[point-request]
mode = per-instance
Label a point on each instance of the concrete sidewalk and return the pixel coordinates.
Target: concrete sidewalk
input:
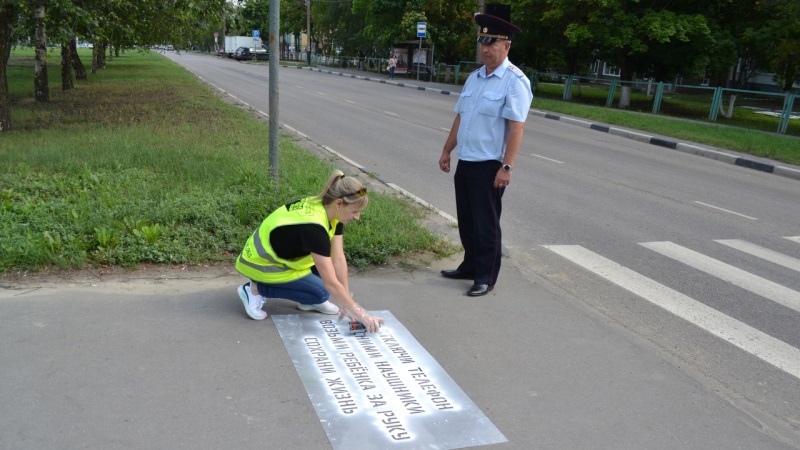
(170, 360)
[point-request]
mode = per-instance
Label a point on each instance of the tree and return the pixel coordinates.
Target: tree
(783, 26)
(293, 18)
(41, 87)
(8, 12)
(628, 34)
(107, 23)
(382, 25)
(543, 43)
(730, 22)
(451, 28)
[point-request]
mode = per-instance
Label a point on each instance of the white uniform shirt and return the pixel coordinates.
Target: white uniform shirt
(484, 105)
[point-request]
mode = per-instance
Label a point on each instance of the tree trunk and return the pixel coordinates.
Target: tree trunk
(625, 75)
(101, 55)
(95, 51)
(66, 67)
(77, 65)
(790, 73)
(7, 14)
(41, 89)
(625, 97)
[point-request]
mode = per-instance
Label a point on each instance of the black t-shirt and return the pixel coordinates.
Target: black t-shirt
(297, 241)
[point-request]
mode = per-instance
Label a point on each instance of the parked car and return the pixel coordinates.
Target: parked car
(246, 53)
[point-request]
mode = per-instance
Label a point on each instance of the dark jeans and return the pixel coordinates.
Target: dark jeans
(478, 206)
(308, 290)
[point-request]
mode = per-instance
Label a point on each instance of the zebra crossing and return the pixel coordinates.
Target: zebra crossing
(769, 349)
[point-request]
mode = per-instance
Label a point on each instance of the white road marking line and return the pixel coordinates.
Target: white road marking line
(793, 238)
(322, 93)
(763, 346)
(548, 159)
(445, 129)
(390, 113)
(745, 280)
(348, 160)
(726, 210)
(295, 131)
(763, 253)
(350, 101)
(422, 202)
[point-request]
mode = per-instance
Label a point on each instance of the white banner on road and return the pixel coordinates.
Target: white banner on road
(381, 390)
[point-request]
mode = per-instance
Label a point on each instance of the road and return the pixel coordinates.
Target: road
(694, 256)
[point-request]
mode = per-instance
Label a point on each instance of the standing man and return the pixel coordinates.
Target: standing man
(486, 134)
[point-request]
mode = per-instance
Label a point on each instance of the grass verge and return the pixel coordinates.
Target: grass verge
(757, 143)
(141, 163)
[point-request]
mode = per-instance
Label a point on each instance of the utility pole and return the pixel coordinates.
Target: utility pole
(308, 31)
(274, 59)
(481, 10)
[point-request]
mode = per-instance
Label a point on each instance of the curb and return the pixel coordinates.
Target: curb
(784, 171)
(693, 149)
(381, 80)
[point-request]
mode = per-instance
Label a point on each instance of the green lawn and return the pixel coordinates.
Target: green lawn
(142, 163)
(782, 148)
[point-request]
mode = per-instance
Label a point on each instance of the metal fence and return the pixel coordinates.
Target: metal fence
(768, 111)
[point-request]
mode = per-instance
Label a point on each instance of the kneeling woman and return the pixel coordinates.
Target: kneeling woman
(298, 253)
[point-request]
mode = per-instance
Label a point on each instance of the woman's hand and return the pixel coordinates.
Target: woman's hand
(357, 313)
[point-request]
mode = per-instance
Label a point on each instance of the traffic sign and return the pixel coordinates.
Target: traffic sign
(422, 29)
(256, 33)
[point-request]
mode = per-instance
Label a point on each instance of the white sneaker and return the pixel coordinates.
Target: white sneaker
(252, 303)
(325, 307)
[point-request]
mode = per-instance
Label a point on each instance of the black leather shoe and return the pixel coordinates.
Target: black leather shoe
(456, 274)
(479, 289)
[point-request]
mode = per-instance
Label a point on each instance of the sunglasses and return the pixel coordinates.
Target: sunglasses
(358, 194)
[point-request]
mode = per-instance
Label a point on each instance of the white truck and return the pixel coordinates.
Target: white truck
(234, 42)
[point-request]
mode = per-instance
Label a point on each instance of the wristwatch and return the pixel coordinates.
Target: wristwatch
(507, 167)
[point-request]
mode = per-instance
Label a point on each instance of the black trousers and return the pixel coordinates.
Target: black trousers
(478, 206)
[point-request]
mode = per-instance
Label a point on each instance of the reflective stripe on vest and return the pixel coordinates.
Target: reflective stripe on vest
(267, 267)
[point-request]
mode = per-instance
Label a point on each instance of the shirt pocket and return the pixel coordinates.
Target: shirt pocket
(491, 104)
(465, 100)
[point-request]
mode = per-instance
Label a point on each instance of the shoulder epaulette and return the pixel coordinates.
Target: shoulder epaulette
(516, 70)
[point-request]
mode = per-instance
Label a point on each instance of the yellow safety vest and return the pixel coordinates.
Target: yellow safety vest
(258, 260)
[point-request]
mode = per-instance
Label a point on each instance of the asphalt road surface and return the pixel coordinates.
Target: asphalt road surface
(697, 257)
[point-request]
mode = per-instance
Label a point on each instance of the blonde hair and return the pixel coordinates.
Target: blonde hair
(341, 186)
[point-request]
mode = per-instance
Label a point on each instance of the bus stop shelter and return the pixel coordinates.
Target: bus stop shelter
(413, 60)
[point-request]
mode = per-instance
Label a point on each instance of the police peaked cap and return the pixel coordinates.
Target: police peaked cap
(493, 28)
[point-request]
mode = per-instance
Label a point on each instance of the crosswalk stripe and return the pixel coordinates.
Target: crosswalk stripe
(793, 238)
(745, 280)
(763, 253)
(765, 347)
